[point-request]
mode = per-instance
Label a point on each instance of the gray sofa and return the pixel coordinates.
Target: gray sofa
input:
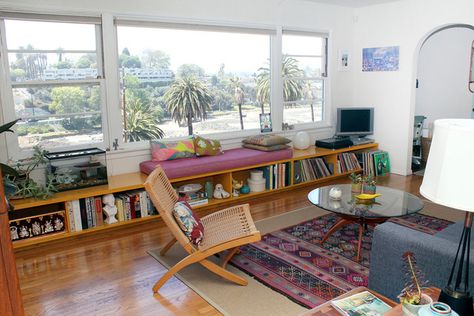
(435, 256)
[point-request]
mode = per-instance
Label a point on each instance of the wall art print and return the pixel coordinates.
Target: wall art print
(380, 58)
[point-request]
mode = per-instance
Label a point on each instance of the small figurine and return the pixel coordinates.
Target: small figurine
(220, 193)
(236, 186)
(14, 232)
(36, 228)
(58, 224)
(24, 232)
(48, 226)
(110, 210)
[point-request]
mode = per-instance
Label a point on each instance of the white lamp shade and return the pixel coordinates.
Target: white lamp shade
(449, 174)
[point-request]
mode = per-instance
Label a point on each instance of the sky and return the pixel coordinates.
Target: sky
(240, 53)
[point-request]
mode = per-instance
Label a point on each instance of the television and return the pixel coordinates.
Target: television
(355, 122)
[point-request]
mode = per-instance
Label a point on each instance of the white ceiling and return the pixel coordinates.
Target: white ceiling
(353, 3)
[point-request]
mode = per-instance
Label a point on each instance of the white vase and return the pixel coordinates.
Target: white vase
(301, 140)
(412, 310)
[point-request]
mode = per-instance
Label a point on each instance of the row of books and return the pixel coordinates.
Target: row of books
(347, 162)
(277, 175)
(375, 163)
(311, 169)
(88, 212)
(197, 198)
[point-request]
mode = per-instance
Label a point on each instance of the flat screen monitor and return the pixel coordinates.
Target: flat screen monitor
(355, 121)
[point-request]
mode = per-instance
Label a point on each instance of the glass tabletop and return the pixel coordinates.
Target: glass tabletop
(391, 203)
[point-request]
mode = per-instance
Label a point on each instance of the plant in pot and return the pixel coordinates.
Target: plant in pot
(27, 186)
(412, 297)
(6, 171)
(356, 185)
(368, 185)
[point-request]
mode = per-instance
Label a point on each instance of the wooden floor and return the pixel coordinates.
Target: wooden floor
(111, 274)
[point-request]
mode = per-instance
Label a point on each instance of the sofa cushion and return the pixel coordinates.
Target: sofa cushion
(189, 222)
(231, 159)
(453, 233)
(266, 148)
(266, 140)
(206, 147)
(169, 150)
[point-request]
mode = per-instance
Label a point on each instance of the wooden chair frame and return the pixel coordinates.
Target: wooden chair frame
(227, 229)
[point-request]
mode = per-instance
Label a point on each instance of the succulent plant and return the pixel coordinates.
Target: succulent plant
(355, 177)
(369, 180)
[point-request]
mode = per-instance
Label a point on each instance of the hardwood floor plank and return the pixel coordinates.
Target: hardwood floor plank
(110, 273)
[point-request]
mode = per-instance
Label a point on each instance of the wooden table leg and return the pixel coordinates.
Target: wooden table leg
(340, 223)
(359, 244)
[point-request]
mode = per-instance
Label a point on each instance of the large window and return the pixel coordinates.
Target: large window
(303, 74)
(55, 69)
(181, 80)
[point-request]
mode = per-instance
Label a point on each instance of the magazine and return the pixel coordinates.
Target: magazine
(361, 304)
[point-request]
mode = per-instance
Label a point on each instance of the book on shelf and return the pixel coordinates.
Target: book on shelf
(312, 169)
(375, 163)
(363, 304)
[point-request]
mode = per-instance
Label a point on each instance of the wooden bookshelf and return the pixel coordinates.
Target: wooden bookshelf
(133, 181)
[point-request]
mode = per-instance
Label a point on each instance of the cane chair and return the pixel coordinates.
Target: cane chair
(223, 230)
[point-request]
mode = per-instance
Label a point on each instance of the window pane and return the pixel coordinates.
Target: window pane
(310, 66)
(302, 45)
(309, 89)
(60, 66)
(47, 119)
(303, 112)
(49, 35)
(221, 70)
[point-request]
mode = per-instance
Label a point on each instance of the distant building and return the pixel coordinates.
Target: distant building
(143, 74)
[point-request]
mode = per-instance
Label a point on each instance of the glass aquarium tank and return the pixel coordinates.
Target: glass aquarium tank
(75, 169)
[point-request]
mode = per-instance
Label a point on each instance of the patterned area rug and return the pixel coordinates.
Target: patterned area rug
(292, 262)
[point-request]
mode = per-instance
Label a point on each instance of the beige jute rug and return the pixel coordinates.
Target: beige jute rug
(235, 300)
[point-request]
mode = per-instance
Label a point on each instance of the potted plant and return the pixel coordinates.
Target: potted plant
(368, 185)
(356, 180)
(6, 171)
(412, 297)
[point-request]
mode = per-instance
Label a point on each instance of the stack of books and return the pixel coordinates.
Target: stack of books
(197, 198)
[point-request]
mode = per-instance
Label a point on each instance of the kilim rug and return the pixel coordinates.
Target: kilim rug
(292, 262)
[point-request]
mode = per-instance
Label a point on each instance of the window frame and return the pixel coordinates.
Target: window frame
(324, 78)
(13, 150)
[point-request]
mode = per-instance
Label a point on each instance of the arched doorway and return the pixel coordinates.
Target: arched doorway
(442, 84)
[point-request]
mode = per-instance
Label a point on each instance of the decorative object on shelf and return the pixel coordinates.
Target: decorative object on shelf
(245, 189)
(437, 309)
(109, 209)
(412, 297)
(265, 122)
(208, 187)
(368, 185)
(75, 169)
(335, 193)
(256, 181)
(220, 193)
(37, 226)
(356, 186)
(236, 186)
(445, 183)
(301, 140)
(189, 188)
(365, 196)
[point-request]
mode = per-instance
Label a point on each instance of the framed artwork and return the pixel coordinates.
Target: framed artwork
(380, 58)
(265, 122)
(343, 60)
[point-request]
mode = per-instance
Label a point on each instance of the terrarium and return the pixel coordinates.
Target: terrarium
(74, 169)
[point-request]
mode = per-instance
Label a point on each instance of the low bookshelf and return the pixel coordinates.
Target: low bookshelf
(307, 167)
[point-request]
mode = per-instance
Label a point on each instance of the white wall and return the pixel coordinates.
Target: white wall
(305, 15)
(443, 72)
(405, 24)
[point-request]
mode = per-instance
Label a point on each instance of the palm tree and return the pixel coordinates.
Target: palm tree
(142, 121)
(188, 98)
(292, 87)
(239, 97)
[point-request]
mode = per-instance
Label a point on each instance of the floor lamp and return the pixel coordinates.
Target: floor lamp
(449, 181)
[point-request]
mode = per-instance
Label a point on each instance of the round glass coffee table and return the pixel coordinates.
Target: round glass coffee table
(349, 209)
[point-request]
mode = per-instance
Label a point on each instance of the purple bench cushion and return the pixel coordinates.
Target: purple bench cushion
(231, 159)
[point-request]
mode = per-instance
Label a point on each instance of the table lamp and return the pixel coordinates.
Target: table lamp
(449, 181)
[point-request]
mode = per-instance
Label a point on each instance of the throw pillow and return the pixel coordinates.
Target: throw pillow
(267, 140)
(266, 148)
(169, 150)
(189, 222)
(206, 147)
